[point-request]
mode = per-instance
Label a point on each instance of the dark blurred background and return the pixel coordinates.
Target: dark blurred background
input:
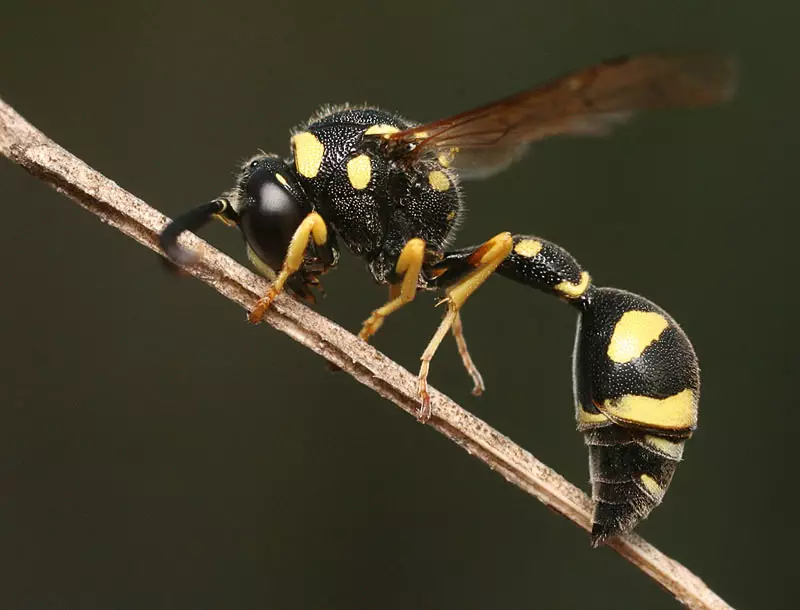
(158, 452)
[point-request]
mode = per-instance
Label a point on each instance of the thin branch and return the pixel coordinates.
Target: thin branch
(43, 158)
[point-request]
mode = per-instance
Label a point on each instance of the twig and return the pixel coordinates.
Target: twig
(43, 158)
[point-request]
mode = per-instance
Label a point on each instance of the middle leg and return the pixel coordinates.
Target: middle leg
(408, 266)
(312, 227)
(461, 342)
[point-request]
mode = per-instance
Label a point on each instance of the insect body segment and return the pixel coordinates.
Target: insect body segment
(637, 386)
(373, 202)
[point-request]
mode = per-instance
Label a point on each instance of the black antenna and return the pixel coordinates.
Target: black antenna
(192, 220)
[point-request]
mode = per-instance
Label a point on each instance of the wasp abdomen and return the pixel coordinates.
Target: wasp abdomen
(636, 383)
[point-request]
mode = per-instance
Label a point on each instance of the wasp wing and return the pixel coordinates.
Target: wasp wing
(592, 101)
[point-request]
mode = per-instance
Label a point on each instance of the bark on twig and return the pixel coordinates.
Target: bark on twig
(43, 158)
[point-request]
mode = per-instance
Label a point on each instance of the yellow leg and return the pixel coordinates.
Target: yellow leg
(312, 227)
(485, 260)
(458, 334)
(409, 264)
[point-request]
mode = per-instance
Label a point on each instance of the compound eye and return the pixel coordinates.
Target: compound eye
(271, 216)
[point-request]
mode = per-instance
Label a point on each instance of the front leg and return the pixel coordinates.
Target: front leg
(312, 227)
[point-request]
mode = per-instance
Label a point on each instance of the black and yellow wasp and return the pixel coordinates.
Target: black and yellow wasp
(389, 189)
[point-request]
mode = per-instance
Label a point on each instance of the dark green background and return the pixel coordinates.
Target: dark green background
(158, 452)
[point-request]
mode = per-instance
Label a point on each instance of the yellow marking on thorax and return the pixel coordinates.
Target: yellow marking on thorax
(528, 248)
(439, 180)
(668, 447)
(651, 485)
(676, 412)
(634, 331)
(359, 171)
(380, 130)
(574, 291)
(281, 179)
(446, 158)
(308, 151)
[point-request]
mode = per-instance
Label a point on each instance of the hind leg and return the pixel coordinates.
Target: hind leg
(481, 262)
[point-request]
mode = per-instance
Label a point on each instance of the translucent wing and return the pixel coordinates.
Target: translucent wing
(589, 102)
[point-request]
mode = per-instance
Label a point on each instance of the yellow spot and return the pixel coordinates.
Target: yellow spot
(634, 331)
(573, 291)
(528, 248)
(451, 216)
(439, 180)
(665, 446)
(282, 180)
(359, 171)
(676, 412)
(308, 151)
(584, 417)
(651, 485)
(446, 158)
(382, 129)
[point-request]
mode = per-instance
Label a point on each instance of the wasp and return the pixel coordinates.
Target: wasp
(391, 191)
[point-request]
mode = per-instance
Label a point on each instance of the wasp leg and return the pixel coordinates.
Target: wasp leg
(409, 265)
(312, 227)
(461, 342)
(532, 261)
(483, 261)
